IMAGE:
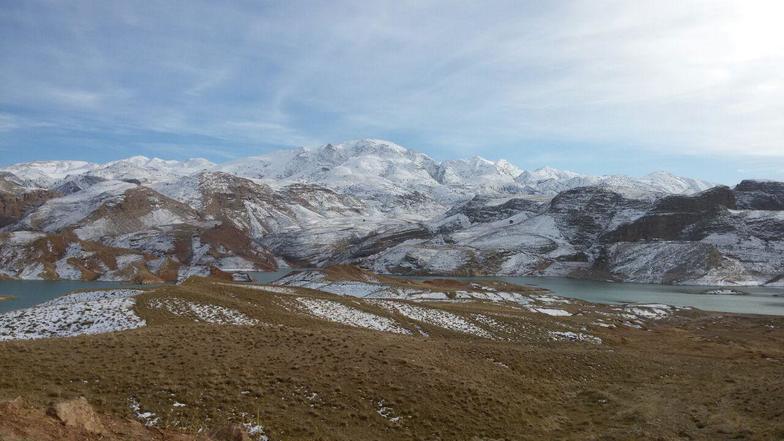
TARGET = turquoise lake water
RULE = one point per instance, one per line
(29, 293)
(759, 300)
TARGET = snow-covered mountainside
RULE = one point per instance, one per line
(550, 181)
(45, 174)
(377, 204)
(150, 170)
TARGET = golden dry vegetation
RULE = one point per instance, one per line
(694, 375)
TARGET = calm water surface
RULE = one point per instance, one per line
(759, 300)
(29, 293)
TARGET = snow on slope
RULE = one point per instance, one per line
(340, 313)
(337, 165)
(94, 312)
(209, 313)
(370, 168)
(68, 210)
(550, 181)
(387, 174)
(47, 174)
(666, 182)
(149, 170)
(382, 173)
(477, 171)
(50, 174)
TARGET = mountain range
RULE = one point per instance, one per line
(384, 207)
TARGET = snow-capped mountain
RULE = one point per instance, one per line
(149, 170)
(367, 168)
(46, 174)
(666, 182)
(550, 181)
(377, 204)
(477, 171)
(50, 174)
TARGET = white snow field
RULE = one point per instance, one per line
(340, 313)
(94, 312)
(432, 316)
(204, 312)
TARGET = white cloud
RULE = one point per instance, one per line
(685, 77)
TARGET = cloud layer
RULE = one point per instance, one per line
(500, 78)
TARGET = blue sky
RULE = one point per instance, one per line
(693, 87)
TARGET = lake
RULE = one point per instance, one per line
(29, 293)
(759, 300)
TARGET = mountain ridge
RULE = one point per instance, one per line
(315, 163)
(381, 206)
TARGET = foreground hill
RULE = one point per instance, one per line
(298, 360)
(376, 204)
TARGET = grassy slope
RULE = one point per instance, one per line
(704, 376)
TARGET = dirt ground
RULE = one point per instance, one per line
(701, 376)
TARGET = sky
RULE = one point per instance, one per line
(595, 86)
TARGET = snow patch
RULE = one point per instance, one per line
(94, 312)
(435, 317)
(214, 314)
(575, 337)
(340, 313)
(550, 311)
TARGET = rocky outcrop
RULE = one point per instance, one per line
(585, 213)
(760, 195)
(676, 217)
(13, 207)
(78, 414)
(482, 209)
(76, 420)
(16, 200)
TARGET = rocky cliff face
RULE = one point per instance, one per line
(760, 195)
(16, 201)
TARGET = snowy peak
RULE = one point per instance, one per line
(45, 174)
(477, 170)
(508, 168)
(668, 183)
(50, 174)
(546, 174)
(551, 181)
(367, 165)
(371, 169)
(150, 170)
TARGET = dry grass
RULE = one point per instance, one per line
(698, 376)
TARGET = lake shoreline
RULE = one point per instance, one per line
(757, 300)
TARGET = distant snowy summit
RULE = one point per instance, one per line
(366, 166)
(50, 174)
